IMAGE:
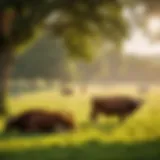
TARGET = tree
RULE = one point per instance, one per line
(141, 12)
(85, 24)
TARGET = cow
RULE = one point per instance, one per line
(143, 89)
(41, 121)
(121, 106)
(66, 91)
(84, 89)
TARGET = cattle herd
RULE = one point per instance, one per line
(45, 121)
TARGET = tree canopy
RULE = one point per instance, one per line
(82, 24)
(141, 12)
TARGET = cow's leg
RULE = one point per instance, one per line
(122, 118)
(60, 128)
(94, 115)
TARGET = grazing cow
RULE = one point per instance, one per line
(84, 89)
(66, 91)
(143, 89)
(41, 121)
(120, 106)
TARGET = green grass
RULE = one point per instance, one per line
(105, 140)
(90, 151)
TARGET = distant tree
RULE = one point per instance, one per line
(141, 69)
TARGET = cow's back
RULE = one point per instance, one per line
(114, 105)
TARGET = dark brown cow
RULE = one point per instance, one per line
(117, 105)
(41, 121)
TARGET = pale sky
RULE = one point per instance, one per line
(139, 44)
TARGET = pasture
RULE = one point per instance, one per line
(136, 138)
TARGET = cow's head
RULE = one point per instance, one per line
(139, 102)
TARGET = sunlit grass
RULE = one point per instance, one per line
(142, 126)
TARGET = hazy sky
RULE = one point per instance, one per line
(139, 44)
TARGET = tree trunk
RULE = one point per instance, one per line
(6, 59)
(7, 18)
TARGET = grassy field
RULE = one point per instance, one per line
(137, 138)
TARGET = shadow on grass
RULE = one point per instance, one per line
(13, 135)
(89, 151)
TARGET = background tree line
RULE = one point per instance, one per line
(47, 60)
